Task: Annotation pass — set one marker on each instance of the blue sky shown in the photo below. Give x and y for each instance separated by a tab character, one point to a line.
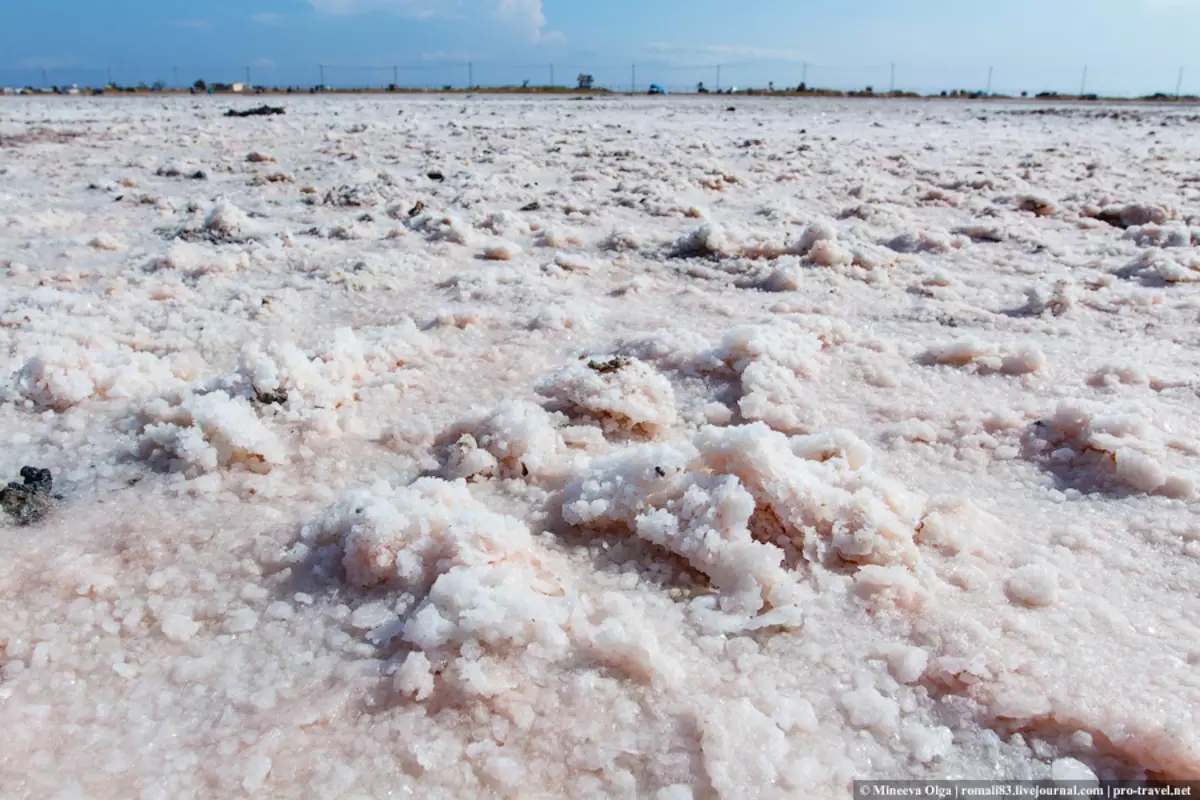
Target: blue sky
1129	46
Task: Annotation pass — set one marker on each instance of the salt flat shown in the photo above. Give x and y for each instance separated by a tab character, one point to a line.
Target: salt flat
597	447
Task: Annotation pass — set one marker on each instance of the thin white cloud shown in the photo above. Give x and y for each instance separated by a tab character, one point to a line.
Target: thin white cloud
525	16
267	18
677	53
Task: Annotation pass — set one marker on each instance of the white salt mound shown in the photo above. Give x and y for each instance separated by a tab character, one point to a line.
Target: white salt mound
197	434
733	499
620	393
985	359
1111	448
517	440
778	365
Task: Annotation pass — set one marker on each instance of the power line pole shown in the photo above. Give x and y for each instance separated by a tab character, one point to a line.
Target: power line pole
1083	85
470	74
804	75
718	78
633	82
1179	84
396	77
989	86
322	68
892	87
110	80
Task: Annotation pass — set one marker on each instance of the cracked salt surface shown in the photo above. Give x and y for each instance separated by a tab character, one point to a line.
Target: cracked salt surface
535	448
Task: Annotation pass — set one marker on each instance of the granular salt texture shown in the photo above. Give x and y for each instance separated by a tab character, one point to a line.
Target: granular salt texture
1057	301
822	232
475	573
197	434
984	359
1163	266
556	238
1037	204
313	384
107	242
936	242
433	541
825	486
501	251
1132	215
67	374
778	366
442	228
677	350
183	618
515	440
622	394
1097	449
622	240
730	503
654	492
1174	234
198	259
707	241
229	222
1033	585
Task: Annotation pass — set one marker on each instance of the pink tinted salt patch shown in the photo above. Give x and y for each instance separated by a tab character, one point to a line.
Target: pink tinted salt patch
532	447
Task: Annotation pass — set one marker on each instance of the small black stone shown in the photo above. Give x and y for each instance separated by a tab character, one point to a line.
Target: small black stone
275	398
30	501
38	480
606	367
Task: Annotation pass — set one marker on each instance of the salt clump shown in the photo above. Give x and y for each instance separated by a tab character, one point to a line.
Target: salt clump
1115	448
197	434
622	394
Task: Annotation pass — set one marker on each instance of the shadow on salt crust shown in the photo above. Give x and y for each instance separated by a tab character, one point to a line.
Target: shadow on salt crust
1092	451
